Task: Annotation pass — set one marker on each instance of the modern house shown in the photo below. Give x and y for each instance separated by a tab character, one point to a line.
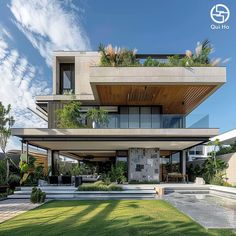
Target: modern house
200	152
148	110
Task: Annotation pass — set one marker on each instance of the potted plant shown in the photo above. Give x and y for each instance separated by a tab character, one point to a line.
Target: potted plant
98	117
76	172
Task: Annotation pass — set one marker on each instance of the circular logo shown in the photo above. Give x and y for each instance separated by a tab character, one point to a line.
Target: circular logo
220	13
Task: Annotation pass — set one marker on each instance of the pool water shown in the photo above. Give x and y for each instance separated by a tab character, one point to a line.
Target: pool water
219	200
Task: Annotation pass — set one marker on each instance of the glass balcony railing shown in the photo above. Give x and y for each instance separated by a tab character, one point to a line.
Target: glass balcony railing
154	121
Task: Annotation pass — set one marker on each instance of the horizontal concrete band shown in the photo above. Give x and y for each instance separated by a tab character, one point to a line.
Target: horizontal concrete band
157	75
114	132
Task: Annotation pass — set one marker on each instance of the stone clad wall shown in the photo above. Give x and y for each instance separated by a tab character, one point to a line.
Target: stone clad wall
144	164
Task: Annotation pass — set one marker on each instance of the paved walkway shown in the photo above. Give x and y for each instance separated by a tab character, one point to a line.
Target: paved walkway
13	207
208	210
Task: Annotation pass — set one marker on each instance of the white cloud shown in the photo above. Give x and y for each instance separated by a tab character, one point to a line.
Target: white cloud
19	86
49	26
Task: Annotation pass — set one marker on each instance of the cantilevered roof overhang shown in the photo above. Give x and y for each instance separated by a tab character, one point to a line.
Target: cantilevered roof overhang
178	89
114	139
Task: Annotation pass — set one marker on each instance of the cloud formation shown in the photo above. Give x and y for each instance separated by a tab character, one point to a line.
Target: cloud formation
18	84
50	25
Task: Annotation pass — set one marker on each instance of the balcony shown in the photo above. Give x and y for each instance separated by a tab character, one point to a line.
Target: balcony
155	121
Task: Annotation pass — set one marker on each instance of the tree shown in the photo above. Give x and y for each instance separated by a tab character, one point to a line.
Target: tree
217	145
213	166
98	116
70	116
6	122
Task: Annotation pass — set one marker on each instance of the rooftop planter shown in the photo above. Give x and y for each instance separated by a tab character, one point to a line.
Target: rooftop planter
123	57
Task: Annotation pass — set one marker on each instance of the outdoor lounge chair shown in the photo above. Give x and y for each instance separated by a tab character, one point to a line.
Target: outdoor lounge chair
66	179
53	179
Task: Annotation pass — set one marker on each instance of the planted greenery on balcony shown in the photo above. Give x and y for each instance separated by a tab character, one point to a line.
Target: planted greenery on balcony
123	57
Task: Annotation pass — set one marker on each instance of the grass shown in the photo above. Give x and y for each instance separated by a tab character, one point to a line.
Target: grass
113	217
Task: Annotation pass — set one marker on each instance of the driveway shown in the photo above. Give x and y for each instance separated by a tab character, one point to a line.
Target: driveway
12	207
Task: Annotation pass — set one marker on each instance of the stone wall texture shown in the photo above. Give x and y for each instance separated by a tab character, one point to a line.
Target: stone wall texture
144	164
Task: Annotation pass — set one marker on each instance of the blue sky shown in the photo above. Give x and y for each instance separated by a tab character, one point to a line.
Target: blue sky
31	30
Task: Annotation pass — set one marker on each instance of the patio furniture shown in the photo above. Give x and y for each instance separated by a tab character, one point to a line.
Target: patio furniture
66	179
175	176
53	179
90	178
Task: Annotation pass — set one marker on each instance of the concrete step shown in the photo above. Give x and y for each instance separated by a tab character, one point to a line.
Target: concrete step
89	196
189	191
138	187
90	192
51	188
187	187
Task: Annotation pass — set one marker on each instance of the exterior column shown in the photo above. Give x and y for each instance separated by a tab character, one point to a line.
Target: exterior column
183	162
53	157
49	161
144	164
27	152
22	147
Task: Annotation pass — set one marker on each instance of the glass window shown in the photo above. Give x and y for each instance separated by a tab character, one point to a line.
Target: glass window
112	123
156	117
133	117
145	117
124	114
67	77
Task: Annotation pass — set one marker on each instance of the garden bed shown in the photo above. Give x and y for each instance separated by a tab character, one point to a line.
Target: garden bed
100	186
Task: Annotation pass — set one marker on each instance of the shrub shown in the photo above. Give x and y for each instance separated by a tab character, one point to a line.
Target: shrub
212	169
76	170
217	179
10	191
14	180
106	179
117	173
70	115
3	195
37	195
24	167
226	149
99	186
226	184
133	181
151	62
3	172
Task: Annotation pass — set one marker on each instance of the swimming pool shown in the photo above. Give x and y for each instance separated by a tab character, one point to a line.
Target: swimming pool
209	210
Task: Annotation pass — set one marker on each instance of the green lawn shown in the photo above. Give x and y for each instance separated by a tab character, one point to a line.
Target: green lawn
126	217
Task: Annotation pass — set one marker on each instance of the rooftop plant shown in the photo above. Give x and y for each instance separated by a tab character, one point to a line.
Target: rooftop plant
116	56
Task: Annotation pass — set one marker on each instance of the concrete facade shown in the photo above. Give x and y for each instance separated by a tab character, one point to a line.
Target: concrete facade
144	164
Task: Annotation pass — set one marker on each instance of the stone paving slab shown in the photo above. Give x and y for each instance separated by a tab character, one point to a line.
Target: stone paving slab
208	210
10	208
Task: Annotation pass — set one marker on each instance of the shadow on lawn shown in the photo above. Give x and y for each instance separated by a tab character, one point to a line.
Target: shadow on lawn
100	218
